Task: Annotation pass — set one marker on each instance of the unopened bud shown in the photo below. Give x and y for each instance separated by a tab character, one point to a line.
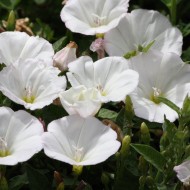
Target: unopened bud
105	179
150	181
63	57
98	47
142	181
10	25
129	108
61	186
58	178
145	135
125	146
143	166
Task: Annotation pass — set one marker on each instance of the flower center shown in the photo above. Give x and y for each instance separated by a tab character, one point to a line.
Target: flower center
100	88
28	97
98	21
156	93
3	148
78	153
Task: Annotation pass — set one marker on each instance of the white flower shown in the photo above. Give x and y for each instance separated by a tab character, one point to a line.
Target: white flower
63	57
19	45
79	141
31	83
141	30
183	172
162	75
80	100
20	136
91	17
109	75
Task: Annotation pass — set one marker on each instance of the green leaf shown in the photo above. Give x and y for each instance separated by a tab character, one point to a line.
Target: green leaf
170	128
50	113
151	155
39	2
37	180
59	44
185	112
18	181
107	114
170	104
168	3
6	4
9	4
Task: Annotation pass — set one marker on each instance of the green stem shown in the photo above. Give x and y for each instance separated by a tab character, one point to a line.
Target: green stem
173	12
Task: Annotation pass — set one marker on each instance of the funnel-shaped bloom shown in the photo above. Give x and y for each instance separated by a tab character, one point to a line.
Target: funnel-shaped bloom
91	17
19	45
31	83
141	30
183	172
80	100
79	141
162	75
20	136
109	75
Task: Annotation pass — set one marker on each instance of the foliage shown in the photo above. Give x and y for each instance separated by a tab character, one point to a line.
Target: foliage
148	154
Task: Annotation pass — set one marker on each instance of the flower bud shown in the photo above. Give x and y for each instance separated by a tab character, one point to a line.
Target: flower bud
10	25
63	57
58	178
145	135
98	47
105	178
61	186
125	146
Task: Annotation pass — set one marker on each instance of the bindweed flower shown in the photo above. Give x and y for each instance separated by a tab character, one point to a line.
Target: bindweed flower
80	100
160	75
20	136
91	17
79	141
183	172
31	83
63	57
19	45
140	31
108	75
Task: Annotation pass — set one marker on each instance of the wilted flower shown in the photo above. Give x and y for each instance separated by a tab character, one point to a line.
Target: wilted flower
79	141
108	75
140	31
91	17
20	136
31	83
98	46
63	57
183	172
162	75
19	45
80	100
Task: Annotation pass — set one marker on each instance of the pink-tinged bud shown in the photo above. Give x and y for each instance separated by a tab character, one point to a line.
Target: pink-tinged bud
98	46
63	57
183	172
